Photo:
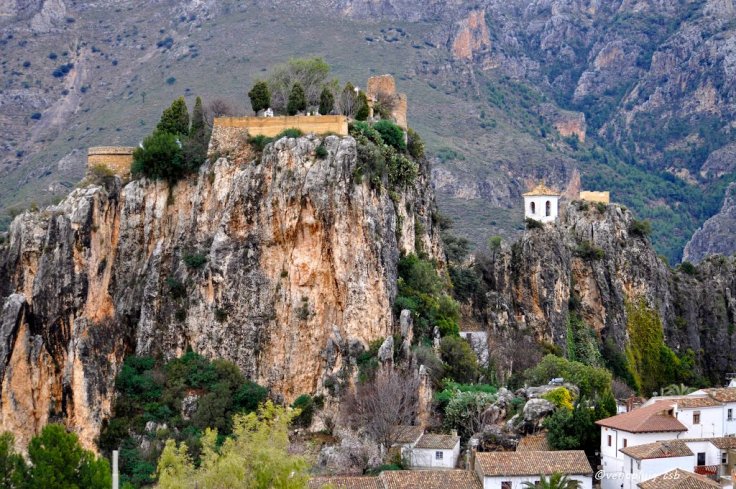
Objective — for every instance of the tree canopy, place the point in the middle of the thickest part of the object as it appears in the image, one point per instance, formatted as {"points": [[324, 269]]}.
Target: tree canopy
{"points": [[297, 100], [175, 118], [260, 96], [311, 74]]}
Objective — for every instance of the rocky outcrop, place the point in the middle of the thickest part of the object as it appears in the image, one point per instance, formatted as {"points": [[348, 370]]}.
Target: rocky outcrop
{"points": [[281, 263], [471, 37], [593, 261], [715, 237]]}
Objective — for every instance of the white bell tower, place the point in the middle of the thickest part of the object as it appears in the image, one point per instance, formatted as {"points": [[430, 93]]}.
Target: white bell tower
{"points": [[541, 204]]}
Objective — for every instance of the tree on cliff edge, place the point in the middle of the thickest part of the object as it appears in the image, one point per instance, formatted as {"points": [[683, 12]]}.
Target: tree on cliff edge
{"points": [[326, 102], [260, 96], [195, 146], [297, 100], [175, 118]]}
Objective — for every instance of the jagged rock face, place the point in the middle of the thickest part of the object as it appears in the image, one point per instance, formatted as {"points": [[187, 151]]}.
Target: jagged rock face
{"points": [[532, 283], [716, 234], [299, 275]]}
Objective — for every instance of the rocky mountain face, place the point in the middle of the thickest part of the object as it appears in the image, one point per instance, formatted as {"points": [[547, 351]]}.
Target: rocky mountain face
{"points": [[280, 262], [647, 84], [595, 262], [716, 235]]}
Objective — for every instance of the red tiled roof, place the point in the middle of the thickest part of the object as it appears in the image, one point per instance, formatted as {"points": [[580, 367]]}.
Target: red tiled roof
{"points": [[403, 434], [569, 462], [679, 479], [689, 402], [440, 442], [723, 394], [649, 419], [430, 479], [531, 443], [345, 482], [659, 449]]}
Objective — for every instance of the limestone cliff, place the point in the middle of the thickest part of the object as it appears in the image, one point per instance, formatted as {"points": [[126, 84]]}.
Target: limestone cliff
{"points": [[594, 260], [280, 262], [716, 234]]}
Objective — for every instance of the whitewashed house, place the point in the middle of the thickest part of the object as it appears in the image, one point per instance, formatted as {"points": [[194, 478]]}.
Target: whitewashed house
{"points": [[510, 470], [433, 451], [404, 437], [643, 462], [541, 204]]}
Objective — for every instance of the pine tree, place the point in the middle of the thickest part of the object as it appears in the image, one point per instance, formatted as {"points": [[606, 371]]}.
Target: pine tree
{"points": [[195, 146], [175, 119], [297, 100], [260, 96], [12, 465], [326, 101], [362, 111]]}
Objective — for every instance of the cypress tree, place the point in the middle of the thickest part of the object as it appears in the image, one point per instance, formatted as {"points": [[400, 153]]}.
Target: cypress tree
{"points": [[297, 100], [195, 146], [260, 96], [326, 101], [175, 118], [362, 110]]}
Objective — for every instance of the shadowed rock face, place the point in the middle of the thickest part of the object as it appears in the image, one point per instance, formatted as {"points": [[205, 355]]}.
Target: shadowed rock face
{"points": [[299, 275], [716, 234], [532, 283]]}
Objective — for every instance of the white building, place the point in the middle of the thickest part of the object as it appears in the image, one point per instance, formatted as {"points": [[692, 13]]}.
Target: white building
{"points": [[510, 470], [646, 442], [541, 203], [435, 452]]}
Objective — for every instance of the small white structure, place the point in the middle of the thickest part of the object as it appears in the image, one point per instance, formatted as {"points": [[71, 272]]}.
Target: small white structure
{"points": [[435, 452], [510, 470], [542, 204], [405, 437], [268, 112]]}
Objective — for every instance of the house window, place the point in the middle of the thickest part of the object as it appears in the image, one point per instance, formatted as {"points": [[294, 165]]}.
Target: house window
{"points": [[609, 440], [696, 417], [438, 455], [729, 417], [724, 458], [548, 208], [533, 207], [626, 442], [505, 484], [701, 458], [537, 483]]}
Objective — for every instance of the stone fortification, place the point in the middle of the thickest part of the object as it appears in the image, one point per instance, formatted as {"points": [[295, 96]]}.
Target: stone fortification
{"points": [[384, 87], [593, 196], [118, 159]]}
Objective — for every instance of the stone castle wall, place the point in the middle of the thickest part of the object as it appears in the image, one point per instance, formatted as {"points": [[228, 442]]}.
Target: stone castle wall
{"points": [[118, 159], [591, 196], [271, 126], [385, 84]]}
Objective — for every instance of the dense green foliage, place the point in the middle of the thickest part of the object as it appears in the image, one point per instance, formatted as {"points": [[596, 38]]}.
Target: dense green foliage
{"points": [[55, 459], [461, 362], [310, 74], [175, 118], [381, 163], [391, 134], [464, 410], [159, 157], [555, 481], [651, 363], [297, 100], [423, 291], [148, 391], [560, 397], [260, 96], [575, 429], [592, 381], [362, 111], [256, 456], [194, 147], [326, 101]]}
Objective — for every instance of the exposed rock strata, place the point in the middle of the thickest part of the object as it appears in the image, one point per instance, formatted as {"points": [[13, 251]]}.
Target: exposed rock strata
{"points": [[300, 275]]}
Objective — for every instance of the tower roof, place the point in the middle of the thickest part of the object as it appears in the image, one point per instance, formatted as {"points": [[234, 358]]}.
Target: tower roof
{"points": [[541, 190]]}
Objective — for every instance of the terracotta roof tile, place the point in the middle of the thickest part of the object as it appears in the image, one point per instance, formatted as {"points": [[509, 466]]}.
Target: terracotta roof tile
{"points": [[722, 442], [533, 463], [541, 190], [404, 434], [536, 442], [696, 402], [679, 479], [723, 394], [659, 449], [345, 482], [430, 441], [648, 419], [430, 479]]}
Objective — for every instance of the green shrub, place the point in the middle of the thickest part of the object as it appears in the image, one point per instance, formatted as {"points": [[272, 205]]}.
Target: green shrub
{"points": [[391, 134], [560, 397], [195, 260], [160, 157], [292, 132], [360, 128], [533, 224], [415, 145], [402, 171], [689, 268], [297, 100], [601, 207], [259, 142], [591, 381], [177, 290], [588, 251], [220, 315], [461, 363], [260, 96], [307, 407], [640, 228], [321, 151]]}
